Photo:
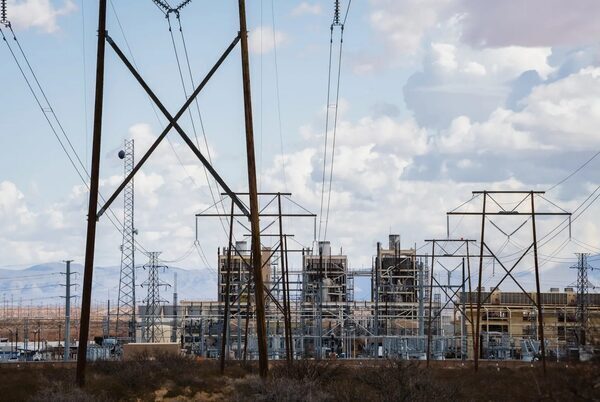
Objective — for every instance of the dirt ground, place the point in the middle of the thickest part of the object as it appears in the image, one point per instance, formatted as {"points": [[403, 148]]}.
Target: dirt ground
{"points": [[183, 379]]}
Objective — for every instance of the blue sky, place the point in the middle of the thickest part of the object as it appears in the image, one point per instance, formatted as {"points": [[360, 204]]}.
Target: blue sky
{"points": [[437, 98]]}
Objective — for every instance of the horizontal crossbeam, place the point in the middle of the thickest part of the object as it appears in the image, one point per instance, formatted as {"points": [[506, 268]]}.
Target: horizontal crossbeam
{"points": [[505, 213]]}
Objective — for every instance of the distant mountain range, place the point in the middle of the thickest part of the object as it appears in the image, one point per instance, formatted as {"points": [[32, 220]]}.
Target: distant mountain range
{"points": [[44, 284]]}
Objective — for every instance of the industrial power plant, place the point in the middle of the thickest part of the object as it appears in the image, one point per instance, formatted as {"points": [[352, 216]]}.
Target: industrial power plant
{"points": [[298, 306], [326, 322]]}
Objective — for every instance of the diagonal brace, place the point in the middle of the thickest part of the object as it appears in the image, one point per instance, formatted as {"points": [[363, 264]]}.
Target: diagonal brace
{"points": [[173, 124], [509, 273], [451, 300]]}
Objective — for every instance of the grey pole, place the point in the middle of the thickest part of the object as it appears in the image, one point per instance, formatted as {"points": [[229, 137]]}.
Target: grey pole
{"points": [[463, 327], [68, 311], [377, 285]]}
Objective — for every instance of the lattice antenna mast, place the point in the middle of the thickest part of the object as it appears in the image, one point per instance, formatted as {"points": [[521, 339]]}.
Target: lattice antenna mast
{"points": [[3, 14], [126, 304], [153, 328]]}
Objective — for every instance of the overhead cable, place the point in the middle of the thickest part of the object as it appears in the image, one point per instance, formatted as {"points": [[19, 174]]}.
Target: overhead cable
{"points": [[48, 111], [324, 216], [574, 172]]}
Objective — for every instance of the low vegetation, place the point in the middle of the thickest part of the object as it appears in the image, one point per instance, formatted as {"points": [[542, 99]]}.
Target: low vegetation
{"points": [[180, 379]]}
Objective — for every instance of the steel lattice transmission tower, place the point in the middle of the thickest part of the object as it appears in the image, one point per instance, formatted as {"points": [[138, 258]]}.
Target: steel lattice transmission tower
{"points": [[582, 296], [153, 328], [126, 304]]}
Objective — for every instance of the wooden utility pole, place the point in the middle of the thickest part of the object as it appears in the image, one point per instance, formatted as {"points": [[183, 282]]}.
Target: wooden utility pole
{"points": [[479, 278], [538, 299], [93, 200], [430, 303], [284, 281], [261, 330]]}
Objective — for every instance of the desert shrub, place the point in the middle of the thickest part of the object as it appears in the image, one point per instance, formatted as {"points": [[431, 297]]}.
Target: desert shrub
{"points": [[240, 369], [395, 380], [65, 392], [145, 379], [308, 370], [253, 388]]}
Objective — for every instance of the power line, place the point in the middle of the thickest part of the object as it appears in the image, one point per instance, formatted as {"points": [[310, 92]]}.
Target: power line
{"points": [[564, 224], [208, 153], [167, 13], [151, 103], [85, 91], [567, 222], [50, 110], [570, 221], [589, 246], [216, 203], [202, 255], [180, 162], [54, 131], [326, 134], [335, 121], [336, 23], [283, 168], [17, 265], [347, 11], [7, 278], [40, 298], [260, 97], [185, 255], [574, 172], [32, 287]]}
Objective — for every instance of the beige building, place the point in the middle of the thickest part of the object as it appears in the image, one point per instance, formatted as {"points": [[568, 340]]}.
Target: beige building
{"points": [[509, 322]]}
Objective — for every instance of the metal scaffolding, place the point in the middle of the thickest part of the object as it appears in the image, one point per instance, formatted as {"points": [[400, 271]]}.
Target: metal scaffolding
{"points": [[237, 275], [447, 250]]}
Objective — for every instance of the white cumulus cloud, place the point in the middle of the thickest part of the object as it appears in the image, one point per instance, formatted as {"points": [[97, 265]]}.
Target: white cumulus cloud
{"points": [[263, 39], [41, 14], [306, 8], [403, 25], [531, 23]]}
